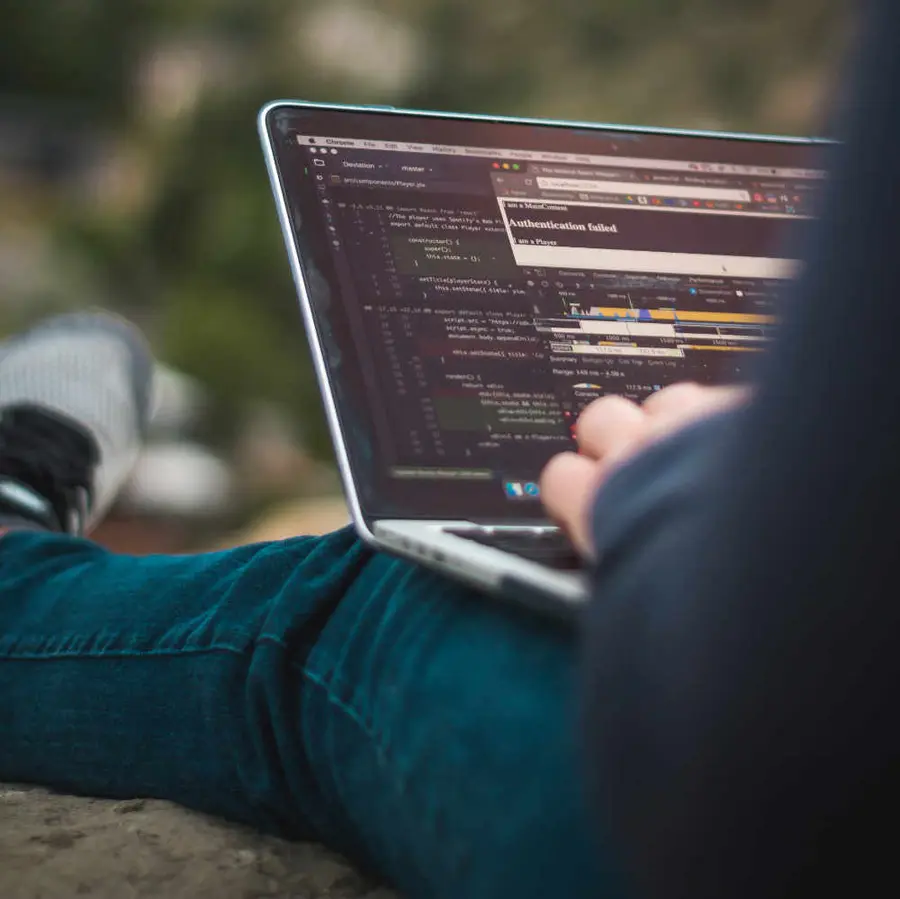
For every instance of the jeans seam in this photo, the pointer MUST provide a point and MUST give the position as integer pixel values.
(138, 654)
(380, 750)
(334, 699)
(381, 747)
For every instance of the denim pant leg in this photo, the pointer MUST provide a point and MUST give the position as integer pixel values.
(311, 689)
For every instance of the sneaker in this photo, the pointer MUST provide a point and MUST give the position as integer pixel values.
(74, 408)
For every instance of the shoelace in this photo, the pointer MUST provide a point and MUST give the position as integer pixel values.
(50, 455)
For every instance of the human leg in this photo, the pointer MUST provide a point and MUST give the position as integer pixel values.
(310, 688)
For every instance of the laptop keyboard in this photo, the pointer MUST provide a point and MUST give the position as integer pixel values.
(550, 548)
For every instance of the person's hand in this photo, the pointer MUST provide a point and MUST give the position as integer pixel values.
(609, 432)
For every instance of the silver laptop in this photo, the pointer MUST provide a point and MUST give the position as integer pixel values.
(470, 284)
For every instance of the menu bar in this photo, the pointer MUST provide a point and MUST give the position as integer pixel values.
(498, 153)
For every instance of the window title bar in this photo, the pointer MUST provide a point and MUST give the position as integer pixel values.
(499, 153)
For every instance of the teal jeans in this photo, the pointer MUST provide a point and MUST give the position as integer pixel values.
(311, 689)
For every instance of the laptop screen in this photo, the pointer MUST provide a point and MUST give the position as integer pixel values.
(475, 284)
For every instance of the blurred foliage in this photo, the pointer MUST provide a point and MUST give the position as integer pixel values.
(177, 228)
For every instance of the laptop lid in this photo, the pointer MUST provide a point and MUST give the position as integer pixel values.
(470, 284)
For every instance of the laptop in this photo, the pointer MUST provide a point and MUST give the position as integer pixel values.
(469, 284)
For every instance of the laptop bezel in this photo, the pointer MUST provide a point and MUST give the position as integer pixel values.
(362, 517)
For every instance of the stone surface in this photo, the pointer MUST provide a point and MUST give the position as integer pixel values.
(59, 847)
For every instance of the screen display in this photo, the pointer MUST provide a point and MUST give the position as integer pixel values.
(475, 284)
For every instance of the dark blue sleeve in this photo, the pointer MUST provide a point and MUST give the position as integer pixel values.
(742, 664)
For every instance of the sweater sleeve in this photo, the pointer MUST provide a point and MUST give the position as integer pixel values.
(741, 653)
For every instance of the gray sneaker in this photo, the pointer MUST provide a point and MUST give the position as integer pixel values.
(74, 406)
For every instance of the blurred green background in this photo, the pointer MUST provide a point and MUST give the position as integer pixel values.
(132, 178)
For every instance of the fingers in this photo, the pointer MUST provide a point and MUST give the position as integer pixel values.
(609, 427)
(675, 398)
(568, 484)
(608, 432)
(614, 426)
